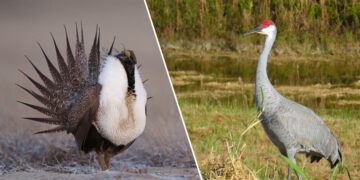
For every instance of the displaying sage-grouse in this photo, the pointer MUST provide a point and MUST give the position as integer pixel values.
(104, 109)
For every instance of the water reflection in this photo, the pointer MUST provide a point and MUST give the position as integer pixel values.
(331, 84)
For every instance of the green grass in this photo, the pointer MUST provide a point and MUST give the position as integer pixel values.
(211, 128)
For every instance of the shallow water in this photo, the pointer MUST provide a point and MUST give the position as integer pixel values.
(330, 83)
(285, 71)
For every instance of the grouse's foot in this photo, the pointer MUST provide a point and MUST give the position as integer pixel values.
(102, 162)
(107, 158)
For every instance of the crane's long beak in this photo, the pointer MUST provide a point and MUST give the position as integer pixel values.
(257, 29)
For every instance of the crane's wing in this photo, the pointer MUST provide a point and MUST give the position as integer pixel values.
(65, 96)
(310, 132)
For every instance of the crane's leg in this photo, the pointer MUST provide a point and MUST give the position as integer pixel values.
(291, 156)
(289, 172)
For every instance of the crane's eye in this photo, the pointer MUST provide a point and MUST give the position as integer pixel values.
(127, 53)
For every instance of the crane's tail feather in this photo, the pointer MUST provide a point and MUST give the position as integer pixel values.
(333, 159)
(315, 158)
(338, 156)
(339, 159)
(58, 93)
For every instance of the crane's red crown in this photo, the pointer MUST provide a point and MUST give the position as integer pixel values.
(267, 23)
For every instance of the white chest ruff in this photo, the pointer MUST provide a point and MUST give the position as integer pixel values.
(121, 117)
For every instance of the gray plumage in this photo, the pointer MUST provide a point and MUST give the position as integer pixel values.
(292, 127)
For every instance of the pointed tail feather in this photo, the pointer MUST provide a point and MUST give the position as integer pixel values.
(82, 34)
(56, 129)
(111, 47)
(80, 46)
(64, 71)
(98, 48)
(40, 87)
(69, 54)
(93, 60)
(80, 57)
(54, 72)
(74, 69)
(45, 111)
(49, 84)
(41, 99)
(45, 120)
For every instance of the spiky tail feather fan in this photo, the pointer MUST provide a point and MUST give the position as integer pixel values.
(58, 94)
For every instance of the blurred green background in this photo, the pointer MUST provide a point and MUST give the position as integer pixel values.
(322, 25)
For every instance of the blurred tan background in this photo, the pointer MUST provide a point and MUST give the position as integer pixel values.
(23, 23)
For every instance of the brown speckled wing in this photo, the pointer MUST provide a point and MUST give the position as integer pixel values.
(83, 113)
(87, 100)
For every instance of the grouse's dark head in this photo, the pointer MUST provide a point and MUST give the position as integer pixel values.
(127, 57)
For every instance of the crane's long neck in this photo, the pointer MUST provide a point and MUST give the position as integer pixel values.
(262, 81)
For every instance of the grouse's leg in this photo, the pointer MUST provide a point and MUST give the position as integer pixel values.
(107, 157)
(100, 157)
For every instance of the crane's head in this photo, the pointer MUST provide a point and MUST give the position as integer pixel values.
(267, 27)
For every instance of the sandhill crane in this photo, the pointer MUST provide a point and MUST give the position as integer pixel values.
(292, 127)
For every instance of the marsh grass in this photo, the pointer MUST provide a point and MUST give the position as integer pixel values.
(231, 166)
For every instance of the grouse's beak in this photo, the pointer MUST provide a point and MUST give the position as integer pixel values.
(255, 30)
